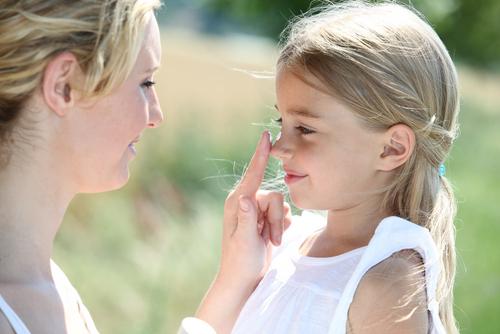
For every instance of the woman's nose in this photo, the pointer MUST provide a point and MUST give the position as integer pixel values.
(155, 113)
(281, 150)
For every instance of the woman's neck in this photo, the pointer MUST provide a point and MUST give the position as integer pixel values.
(32, 206)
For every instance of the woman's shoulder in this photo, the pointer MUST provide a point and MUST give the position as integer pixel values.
(34, 305)
(5, 326)
(5, 323)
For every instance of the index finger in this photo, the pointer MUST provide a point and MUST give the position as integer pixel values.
(254, 174)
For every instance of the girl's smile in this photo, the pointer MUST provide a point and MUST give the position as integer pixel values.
(292, 176)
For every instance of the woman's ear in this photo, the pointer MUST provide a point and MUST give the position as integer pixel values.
(56, 85)
(397, 146)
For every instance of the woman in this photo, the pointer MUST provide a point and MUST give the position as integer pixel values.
(71, 110)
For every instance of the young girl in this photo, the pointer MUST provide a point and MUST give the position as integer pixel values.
(367, 97)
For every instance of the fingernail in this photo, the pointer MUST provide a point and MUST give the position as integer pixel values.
(268, 135)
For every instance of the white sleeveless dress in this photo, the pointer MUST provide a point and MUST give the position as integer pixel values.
(303, 295)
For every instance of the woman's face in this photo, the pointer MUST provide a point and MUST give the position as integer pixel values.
(102, 135)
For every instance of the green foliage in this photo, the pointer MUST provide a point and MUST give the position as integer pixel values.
(470, 28)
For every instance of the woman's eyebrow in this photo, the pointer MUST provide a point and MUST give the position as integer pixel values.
(300, 111)
(152, 69)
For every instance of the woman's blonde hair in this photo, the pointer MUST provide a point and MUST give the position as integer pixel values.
(386, 63)
(104, 35)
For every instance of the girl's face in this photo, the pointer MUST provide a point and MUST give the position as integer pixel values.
(327, 154)
(103, 134)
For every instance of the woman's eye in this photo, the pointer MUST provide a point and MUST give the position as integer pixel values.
(303, 130)
(148, 84)
(279, 121)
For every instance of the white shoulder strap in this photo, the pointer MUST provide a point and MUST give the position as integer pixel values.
(16, 323)
(392, 235)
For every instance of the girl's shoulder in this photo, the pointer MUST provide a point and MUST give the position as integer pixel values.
(398, 273)
(397, 286)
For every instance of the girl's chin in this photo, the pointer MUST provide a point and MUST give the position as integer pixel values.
(301, 202)
(306, 203)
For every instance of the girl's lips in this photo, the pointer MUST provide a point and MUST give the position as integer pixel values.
(292, 177)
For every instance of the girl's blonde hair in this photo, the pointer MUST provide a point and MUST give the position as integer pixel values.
(104, 35)
(386, 63)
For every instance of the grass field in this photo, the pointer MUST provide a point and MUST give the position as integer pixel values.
(143, 256)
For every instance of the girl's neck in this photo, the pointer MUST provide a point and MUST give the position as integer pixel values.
(32, 206)
(356, 225)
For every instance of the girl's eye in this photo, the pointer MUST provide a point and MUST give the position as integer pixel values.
(304, 130)
(148, 84)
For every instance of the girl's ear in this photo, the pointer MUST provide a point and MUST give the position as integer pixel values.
(397, 146)
(56, 85)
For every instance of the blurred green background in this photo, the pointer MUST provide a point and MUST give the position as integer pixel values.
(143, 256)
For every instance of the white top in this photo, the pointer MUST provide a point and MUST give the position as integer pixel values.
(301, 294)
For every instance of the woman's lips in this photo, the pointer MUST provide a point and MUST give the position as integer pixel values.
(132, 149)
(131, 146)
(292, 177)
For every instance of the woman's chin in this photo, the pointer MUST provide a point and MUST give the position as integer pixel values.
(108, 184)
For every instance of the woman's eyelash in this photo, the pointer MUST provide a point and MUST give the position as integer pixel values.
(303, 130)
(148, 83)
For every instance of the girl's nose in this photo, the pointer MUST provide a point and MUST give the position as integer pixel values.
(155, 113)
(281, 150)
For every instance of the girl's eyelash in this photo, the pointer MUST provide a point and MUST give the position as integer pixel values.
(148, 83)
(303, 130)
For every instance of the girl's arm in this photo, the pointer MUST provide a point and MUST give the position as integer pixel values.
(391, 298)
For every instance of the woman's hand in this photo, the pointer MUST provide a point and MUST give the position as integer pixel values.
(253, 221)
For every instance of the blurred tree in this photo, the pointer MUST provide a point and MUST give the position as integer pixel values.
(470, 28)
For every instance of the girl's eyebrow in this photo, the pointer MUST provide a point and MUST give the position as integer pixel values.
(300, 111)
